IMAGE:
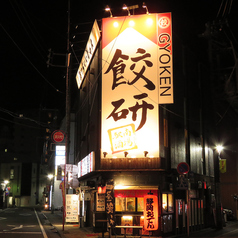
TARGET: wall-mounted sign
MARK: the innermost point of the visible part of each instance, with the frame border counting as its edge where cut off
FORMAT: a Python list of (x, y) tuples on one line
[(100, 205), (222, 165), (59, 158), (183, 168), (110, 203), (88, 53), (58, 136), (136, 73), (151, 212), (86, 165)]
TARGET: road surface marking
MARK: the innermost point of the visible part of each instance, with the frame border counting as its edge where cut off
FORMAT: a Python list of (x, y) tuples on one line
[(16, 228), (21, 232), (41, 227)]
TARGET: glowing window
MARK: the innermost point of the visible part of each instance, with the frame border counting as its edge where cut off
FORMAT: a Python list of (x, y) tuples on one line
[(167, 202)]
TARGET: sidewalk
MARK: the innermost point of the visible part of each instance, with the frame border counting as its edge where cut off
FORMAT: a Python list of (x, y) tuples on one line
[(70, 230), (74, 231)]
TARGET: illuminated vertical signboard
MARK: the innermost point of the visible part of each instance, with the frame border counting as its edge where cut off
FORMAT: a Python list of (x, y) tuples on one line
[(88, 53), (136, 76), (59, 156), (150, 212), (86, 165)]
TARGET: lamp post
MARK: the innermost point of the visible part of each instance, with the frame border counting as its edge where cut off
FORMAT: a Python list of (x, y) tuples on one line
[(51, 177), (217, 157), (6, 182)]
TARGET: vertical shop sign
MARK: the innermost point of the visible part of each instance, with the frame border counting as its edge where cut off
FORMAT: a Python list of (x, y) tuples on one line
[(136, 74), (88, 53), (110, 203), (222, 163), (165, 58), (151, 212)]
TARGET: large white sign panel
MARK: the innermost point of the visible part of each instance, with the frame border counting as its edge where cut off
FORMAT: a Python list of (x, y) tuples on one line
[(86, 165), (88, 53), (131, 85), (59, 156)]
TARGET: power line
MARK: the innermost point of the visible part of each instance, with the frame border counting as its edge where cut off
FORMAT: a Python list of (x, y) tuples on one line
[(57, 90)]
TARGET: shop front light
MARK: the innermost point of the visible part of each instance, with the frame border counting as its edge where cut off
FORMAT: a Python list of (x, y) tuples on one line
[(108, 9), (126, 8), (144, 6), (127, 217)]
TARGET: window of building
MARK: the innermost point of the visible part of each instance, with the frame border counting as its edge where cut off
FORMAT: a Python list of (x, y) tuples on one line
[(131, 200), (12, 173), (167, 203), (140, 204), (129, 204)]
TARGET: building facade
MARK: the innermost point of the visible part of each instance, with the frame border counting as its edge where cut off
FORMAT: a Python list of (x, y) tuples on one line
[(173, 160)]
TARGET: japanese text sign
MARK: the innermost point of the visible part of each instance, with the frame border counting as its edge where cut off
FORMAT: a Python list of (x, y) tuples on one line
[(86, 165), (110, 203), (150, 212), (136, 73), (88, 53)]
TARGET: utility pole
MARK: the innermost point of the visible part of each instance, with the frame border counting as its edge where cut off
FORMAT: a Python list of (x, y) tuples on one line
[(68, 90), (67, 112)]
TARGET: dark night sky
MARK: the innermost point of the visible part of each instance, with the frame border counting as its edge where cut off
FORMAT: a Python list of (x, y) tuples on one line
[(30, 28)]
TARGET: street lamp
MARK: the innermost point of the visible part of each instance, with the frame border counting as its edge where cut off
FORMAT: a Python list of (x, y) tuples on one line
[(217, 157), (219, 149), (51, 177), (6, 182)]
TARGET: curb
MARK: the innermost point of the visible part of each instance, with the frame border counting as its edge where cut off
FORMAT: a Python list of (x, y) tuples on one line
[(53, 227)]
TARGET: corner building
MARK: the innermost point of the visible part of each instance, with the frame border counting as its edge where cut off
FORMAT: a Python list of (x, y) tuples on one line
[(143, 131)]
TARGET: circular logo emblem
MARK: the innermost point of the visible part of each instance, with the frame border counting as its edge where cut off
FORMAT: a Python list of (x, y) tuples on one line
[(57, 136), (164, 22)]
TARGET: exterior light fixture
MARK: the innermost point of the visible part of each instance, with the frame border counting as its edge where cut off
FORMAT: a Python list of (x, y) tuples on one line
[(125, 153), (219, 148), (6, 182), (108, 9), (146, 153), (144, 6), (50, 176), (126, 8), (104, 154)]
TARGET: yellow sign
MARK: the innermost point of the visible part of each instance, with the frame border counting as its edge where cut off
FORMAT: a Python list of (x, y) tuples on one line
[(222, 164)]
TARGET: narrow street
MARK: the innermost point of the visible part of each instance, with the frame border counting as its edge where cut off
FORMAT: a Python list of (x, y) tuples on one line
[(25, 222)]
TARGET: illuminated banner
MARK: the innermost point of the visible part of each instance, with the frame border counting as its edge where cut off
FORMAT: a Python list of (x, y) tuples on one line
[(59, 156), (88, 53), (86, 165), (165, 60), (136, 73), (222, 165), (151, 212)]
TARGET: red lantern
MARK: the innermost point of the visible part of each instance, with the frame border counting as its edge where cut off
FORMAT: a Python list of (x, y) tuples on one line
[(150, 212), (101, 189)]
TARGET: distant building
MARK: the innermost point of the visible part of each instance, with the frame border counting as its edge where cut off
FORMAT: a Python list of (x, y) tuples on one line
[(22, 159)]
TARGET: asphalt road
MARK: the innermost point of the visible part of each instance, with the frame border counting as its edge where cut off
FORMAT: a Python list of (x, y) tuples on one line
[(24, 223)]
